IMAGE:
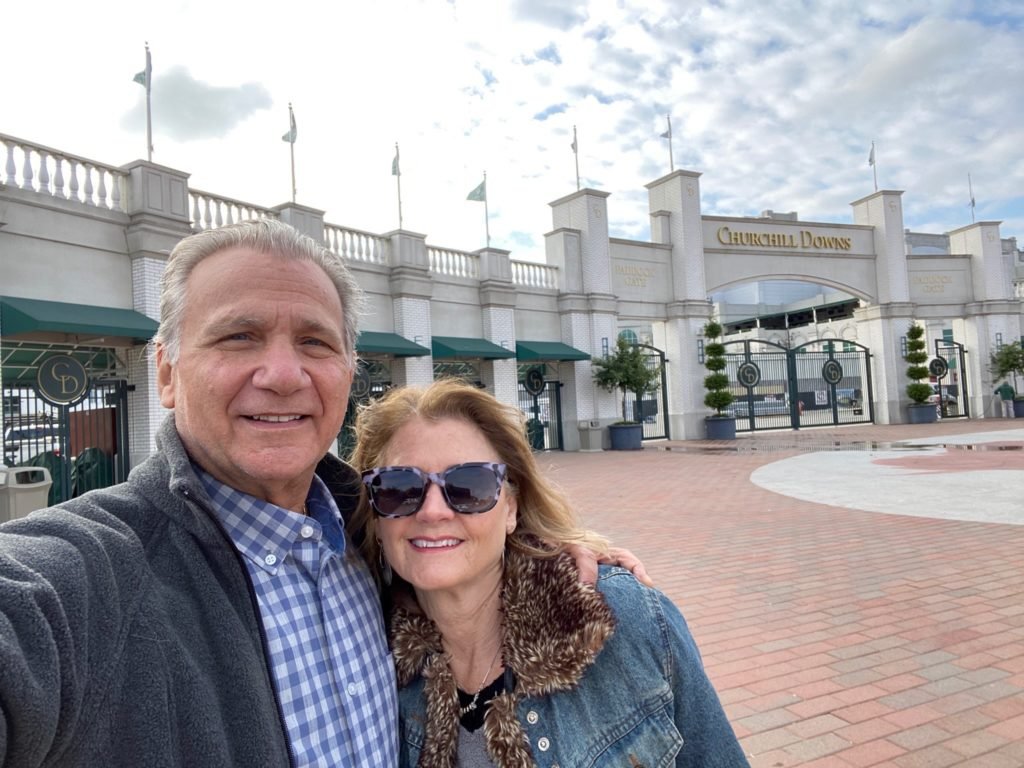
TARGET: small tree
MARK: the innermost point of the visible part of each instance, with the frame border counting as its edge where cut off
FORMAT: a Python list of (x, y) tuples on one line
[(717, 382), (918, 391), (1008, 361), (626, 370)]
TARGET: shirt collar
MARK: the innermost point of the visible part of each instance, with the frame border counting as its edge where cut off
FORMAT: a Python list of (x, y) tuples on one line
[(263, 532)]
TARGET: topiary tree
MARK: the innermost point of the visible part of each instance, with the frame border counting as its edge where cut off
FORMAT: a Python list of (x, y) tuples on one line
[(626, 370), (918, 390), (1008, 361), (717, 382)]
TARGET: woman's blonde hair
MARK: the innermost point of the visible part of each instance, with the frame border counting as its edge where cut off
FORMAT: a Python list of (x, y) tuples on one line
[(544, 512)]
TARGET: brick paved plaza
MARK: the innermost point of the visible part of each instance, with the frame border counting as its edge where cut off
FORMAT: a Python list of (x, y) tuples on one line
[(835, 637)]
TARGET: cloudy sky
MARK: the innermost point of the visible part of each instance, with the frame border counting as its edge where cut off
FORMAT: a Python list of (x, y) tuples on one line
[(776, 103)]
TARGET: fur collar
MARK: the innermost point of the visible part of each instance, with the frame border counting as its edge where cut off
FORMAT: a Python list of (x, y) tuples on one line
[(554, 628)]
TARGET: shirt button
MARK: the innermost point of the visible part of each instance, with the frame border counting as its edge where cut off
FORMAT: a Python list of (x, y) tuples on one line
[(270, 559), (532, 717), (306, 531), (543, 744), (352, 689)]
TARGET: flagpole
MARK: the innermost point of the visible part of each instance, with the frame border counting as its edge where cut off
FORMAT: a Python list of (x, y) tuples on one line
[(671, 159), (970, 188), (149, 110), (291, 122), (398, 176), (576, 154), (874, 166), (487, 216)]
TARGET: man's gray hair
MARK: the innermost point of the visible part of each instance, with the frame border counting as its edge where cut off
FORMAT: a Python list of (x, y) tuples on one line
[(267, 236)]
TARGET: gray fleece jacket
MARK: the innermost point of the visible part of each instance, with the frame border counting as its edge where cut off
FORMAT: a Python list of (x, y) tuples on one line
[(129, 630)]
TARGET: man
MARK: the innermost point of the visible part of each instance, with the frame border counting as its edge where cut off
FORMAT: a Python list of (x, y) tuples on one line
[(1006, 395), (177, 619), (211, 611)]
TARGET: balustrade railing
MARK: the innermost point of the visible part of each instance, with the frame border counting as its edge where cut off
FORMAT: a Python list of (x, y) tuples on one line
[(446, 261), (49, 171), (533, 275), (356, 245), (212, 211), (62, 175)]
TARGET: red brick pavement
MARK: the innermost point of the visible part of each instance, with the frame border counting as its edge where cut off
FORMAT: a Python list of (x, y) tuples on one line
[(835, 637)]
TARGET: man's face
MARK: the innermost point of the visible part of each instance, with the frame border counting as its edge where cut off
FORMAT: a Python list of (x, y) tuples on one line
[(262, 379)]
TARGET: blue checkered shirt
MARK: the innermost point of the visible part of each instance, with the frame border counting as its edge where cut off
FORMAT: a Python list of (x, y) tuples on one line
[(321, 613)]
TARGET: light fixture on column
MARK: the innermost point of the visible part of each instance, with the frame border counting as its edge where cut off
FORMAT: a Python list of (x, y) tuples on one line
[(700, 350), (604, 346), (903, 346)]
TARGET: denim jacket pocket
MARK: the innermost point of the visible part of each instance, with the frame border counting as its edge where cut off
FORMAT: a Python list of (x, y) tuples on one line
[(602, 737), (653, 743)]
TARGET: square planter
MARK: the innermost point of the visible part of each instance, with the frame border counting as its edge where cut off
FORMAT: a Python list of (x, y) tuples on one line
[(626, 437), (720, 427), (922, 413)]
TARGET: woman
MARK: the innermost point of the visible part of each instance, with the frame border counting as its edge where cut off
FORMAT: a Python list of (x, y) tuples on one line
[(503, 656)]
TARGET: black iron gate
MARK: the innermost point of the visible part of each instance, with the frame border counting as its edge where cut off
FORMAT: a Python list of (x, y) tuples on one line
[(84, 446), (832, 383), (541, 400), (948, 368), (758, 373), (820, 383), (652, 408)]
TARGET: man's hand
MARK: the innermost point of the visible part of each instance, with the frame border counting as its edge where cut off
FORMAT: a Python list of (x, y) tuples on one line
[(587, 560)]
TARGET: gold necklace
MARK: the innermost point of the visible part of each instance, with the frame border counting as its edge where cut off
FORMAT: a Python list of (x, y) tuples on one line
[(463, 711)]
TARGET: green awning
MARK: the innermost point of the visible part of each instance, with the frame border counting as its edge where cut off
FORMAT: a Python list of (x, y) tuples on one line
[(382, 343), (457, 348), (548, 350), (24, 318)]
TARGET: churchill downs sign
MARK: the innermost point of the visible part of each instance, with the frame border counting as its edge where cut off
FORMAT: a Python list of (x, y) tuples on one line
[(803, 239)]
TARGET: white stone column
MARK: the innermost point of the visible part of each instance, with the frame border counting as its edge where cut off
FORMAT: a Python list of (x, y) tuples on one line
[(157, 205), (497, 315), (994, 315), (674, 206), (411, 288), (678, 196), (883, 210), (684, 372), (881, 328), (308, 221), (580, 248)]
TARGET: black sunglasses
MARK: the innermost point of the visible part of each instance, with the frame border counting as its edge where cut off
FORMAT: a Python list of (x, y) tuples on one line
[(468, 489)]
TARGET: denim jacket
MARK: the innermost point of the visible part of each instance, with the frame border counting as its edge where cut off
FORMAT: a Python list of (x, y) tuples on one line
[(610, 677)]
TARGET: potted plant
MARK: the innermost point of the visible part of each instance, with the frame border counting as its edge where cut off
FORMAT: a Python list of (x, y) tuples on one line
[(626, 370), (721, 425), (920, 411), (1008, 361)]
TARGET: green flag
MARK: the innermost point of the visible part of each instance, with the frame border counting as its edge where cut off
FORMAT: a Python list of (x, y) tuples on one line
[(293, 132), (143, 78), (480, 193)]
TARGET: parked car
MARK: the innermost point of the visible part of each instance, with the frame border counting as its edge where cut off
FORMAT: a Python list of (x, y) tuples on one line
[(849, 398), (948, 398), (761, 408), (24, 441)]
